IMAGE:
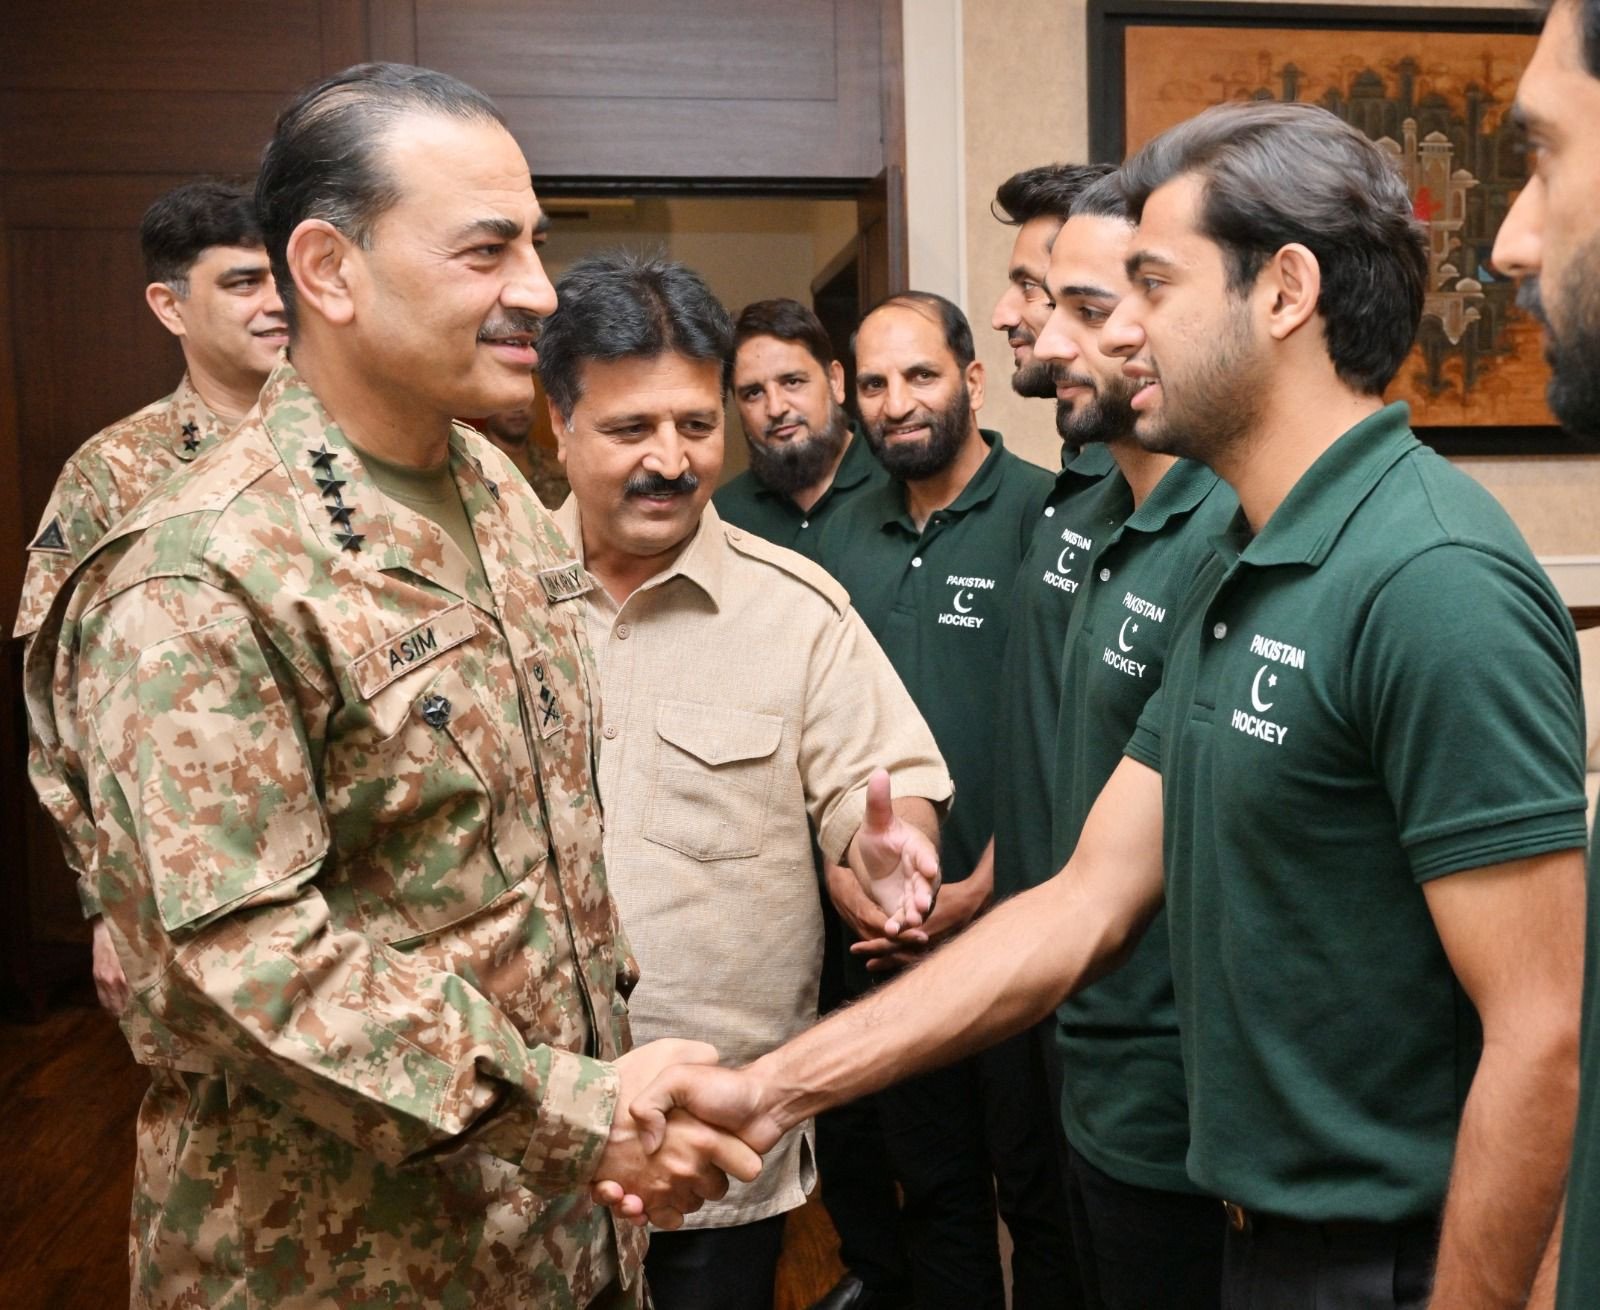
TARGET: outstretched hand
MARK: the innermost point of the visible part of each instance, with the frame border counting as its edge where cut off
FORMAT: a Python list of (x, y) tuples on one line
[(896, 861), (683, 1162), (699, 1094)]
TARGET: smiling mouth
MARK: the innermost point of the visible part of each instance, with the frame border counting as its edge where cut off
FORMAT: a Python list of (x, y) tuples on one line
[(902, 433)]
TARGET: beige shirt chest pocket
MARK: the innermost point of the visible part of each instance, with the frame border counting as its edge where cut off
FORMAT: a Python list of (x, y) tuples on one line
[(712, 779), (434, 829)]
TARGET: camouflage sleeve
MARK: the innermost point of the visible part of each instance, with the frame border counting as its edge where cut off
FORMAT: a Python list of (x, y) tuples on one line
[(50, 683), (73, 522), (212, 848)]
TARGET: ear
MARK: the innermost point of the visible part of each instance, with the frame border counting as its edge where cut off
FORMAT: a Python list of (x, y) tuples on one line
[(321, 262), (836, 381), (975, 381), (558, 426), (165, 304), (1294, 281)]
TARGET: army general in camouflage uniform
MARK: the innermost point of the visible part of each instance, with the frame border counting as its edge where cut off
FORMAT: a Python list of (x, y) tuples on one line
[(330, 761), (210, 286)]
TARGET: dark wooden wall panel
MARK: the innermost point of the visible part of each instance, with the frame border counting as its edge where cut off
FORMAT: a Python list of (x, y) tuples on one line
[(671, 88), (662, 50)]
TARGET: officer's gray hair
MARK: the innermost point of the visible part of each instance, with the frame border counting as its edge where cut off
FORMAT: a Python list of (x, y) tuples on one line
[(325, 159)]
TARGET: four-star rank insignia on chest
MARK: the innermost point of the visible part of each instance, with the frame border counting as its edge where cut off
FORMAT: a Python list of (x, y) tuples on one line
[(330, 484)]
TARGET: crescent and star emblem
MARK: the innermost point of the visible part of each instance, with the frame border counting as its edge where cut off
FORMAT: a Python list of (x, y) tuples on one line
[(1061, 560), (1122, 633), (1262, 706), (959, 607)]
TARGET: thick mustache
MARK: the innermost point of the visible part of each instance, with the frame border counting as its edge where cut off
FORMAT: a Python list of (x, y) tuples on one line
[(787, 421), (1074, 380), (653, 484), (513, 323)]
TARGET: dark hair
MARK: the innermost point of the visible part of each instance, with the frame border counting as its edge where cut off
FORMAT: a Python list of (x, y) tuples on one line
[(1274, 174), (957, 331), (1048, 191), (325, 157), (1589, 26), (187, 221), (621, 305), (787, 320), (1103, 198)]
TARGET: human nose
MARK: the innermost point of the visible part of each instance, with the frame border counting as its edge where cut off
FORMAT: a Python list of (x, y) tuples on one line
[(1053, 344), (776, 404), (1518, 245), (668, 454), (1007, 310), (1122, 335), (272, 303), (528, 287)]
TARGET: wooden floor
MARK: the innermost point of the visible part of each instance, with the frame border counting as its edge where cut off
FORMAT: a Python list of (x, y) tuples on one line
[(69, 1092)]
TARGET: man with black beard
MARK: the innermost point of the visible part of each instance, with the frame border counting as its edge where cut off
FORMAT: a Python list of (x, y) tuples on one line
[(1551, 240), (1143, 1234), (804, 459), (930, 560)]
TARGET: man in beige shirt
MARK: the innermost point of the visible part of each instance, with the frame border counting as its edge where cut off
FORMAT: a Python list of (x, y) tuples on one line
[(745, 704)]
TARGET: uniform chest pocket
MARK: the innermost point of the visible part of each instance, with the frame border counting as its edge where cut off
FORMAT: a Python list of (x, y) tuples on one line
[(434, 829), (711, 780)]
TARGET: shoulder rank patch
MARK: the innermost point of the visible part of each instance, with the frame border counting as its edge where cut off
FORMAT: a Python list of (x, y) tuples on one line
[(52, 540), (564, 582), (378, 667)]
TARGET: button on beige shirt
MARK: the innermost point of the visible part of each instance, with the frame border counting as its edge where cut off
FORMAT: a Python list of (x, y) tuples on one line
[(744, 703)]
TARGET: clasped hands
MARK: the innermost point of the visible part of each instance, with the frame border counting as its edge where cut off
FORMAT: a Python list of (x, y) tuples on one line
[(683, 1125)]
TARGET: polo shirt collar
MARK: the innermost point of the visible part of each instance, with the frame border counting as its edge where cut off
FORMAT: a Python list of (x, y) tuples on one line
[(1304, 527), (1092, 461), (980, 488), (700, 562), (1181, 488)]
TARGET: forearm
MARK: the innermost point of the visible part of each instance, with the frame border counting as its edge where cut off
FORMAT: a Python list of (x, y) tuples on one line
[(1510, 1166), (1543, 1295), (1008, 971)]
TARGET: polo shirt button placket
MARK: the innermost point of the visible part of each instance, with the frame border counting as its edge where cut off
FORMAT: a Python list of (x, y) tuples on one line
[(916, 561), (1105, 575), (1220, 631)]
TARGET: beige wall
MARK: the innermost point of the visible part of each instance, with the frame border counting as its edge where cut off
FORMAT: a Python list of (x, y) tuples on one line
[(1025, 77)]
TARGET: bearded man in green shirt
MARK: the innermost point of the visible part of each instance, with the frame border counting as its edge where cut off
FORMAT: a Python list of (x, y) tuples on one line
[(1551, 240)]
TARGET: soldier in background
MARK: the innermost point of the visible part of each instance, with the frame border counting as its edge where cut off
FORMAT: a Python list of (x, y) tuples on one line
[(210, 286), (325, 717)]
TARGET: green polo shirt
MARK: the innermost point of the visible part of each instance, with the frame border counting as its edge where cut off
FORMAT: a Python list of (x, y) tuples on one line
[(750, 504), (1123, 1105), (1064, 539), (939, 602), (1379, 689), (1579, 1285)]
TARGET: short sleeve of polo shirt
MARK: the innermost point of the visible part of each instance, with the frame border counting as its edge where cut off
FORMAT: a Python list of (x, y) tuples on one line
[(1145, 744), (1464, 679)]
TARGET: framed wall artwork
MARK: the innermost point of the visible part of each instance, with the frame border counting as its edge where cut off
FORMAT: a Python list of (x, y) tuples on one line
[(1434, 88)]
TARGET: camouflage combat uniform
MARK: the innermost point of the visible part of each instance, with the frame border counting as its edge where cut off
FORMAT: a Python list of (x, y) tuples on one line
[(349, 848), (105, 478)]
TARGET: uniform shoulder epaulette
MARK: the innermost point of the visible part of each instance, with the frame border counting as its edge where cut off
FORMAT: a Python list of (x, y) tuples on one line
[(794, 564)]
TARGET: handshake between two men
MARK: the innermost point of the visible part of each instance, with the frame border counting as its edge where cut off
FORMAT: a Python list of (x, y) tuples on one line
[(670, 1151)]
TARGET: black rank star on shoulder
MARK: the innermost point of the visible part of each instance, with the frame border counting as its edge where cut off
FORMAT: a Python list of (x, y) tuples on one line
[(191, 437), (350, 541), (323, 459), (494, 488), (340, 514), (330, 486)]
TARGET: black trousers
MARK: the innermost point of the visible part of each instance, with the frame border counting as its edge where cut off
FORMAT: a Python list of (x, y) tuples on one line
[(1024, 1141), (715, 1268), (1142, 1247), (1283, 1264)]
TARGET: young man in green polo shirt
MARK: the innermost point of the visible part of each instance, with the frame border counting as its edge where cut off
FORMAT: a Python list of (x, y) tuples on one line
[(930, 561), (1143, 1234), (806, 458), (1551, 240), (1364, 765)]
